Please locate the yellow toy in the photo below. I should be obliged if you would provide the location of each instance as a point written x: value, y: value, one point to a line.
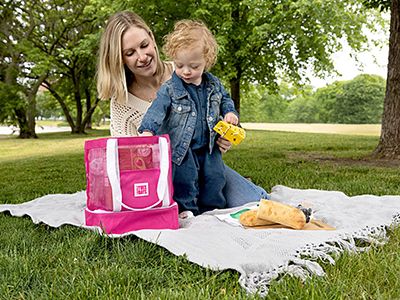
x: 232, y: 133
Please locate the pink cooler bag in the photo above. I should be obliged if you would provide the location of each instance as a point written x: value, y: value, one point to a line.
x: 129, y: 184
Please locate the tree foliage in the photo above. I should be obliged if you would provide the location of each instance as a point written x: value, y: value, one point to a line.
x: 260, y: 105
x: 304, y: 109
x: 381, y: 4
x: 360, y: 101
x: 325, y: 102
x: 13, y: 34
x: 12, y: 101
x: 260, y: 42
x: 69, y: 44
x: 263, y: 41
x: 357, y: 101
x: 52, y: 43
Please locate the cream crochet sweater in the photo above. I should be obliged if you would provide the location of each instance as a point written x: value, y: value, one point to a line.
x: 126, y: 118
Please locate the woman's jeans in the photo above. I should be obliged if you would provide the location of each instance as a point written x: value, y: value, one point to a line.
x: 238, y: 190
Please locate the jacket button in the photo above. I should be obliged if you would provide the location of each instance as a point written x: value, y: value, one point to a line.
x: 193, y: 113
x: 179, y: 108
x: 210, y: 119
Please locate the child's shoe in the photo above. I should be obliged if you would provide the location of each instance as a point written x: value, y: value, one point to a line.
x: 187, y: 214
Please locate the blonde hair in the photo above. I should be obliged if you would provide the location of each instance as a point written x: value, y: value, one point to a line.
x: 187, y: 33
x: 113, y: 77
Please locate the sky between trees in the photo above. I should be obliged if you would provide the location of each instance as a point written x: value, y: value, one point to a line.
x: 372, y: 61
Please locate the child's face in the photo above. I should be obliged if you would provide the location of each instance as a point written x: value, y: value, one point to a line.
x: 190, y: 64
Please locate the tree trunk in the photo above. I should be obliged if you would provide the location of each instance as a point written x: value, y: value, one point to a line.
x: 63, y: 105
x: 235, y: 82
x: 235, y: 92
x: 235, y: 87
x: 79, y: 128
x: 20, y: 114
x: 31, y: 113
x: 88, y: 124
x: 31, y: 110
x: 389, y: 143
x: 89, y: 113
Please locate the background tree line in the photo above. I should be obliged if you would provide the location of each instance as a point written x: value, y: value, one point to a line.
x: 53, y: 43
x: 356, y: 101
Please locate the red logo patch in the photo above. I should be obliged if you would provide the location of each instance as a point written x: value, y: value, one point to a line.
x: 141, y: 189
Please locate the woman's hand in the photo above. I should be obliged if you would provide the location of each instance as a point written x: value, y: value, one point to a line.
x: 223, y: 144
x: 146, y: 133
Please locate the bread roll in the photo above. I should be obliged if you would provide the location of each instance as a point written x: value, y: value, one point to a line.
x: 249, y: 219
x: 276, y: 212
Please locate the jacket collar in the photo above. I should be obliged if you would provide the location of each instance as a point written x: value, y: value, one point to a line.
x: 179, y: 90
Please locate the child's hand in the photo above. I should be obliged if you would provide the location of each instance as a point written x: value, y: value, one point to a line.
x: 231, y: 118
x: 146, y: 133
x: 223, y: 144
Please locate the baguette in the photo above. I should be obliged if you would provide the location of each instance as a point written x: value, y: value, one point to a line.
x: 284, y: 214
x: 249, y: 219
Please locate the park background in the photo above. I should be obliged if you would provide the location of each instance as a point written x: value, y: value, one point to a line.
x: 274, y: 58
x: 268, y: 49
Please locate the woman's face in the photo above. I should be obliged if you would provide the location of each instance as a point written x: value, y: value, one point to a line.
x: 138, y: 52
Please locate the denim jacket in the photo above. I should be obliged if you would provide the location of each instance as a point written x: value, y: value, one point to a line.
x: 174, y: 112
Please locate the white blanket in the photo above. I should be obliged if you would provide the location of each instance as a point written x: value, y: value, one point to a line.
x: 260, y: 255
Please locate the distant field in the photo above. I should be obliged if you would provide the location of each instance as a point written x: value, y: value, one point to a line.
x: 350, y: 129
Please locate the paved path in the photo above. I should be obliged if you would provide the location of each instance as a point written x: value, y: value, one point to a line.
x: 367, y: 129
x: 10, y: 130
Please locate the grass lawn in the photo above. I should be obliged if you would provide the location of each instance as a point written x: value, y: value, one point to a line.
x: 60, y: 123
x: 40, y: 262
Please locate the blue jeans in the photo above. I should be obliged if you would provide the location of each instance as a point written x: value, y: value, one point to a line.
x: 199, y: 181
x: 238, y: 190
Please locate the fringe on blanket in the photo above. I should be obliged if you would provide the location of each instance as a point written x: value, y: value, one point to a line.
x: 304, y: 265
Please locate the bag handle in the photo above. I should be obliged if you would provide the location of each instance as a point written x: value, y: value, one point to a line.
x: 114, y: 177
x: 113, y: 172
x: 162, y: 187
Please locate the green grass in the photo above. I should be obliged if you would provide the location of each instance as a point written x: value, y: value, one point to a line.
x: 58, y: 123
x: 40, y: 262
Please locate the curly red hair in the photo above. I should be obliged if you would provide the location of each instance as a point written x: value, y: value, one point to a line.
x: 189, y: 33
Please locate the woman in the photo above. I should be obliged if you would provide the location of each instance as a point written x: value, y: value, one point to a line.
x: 130, y: 72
